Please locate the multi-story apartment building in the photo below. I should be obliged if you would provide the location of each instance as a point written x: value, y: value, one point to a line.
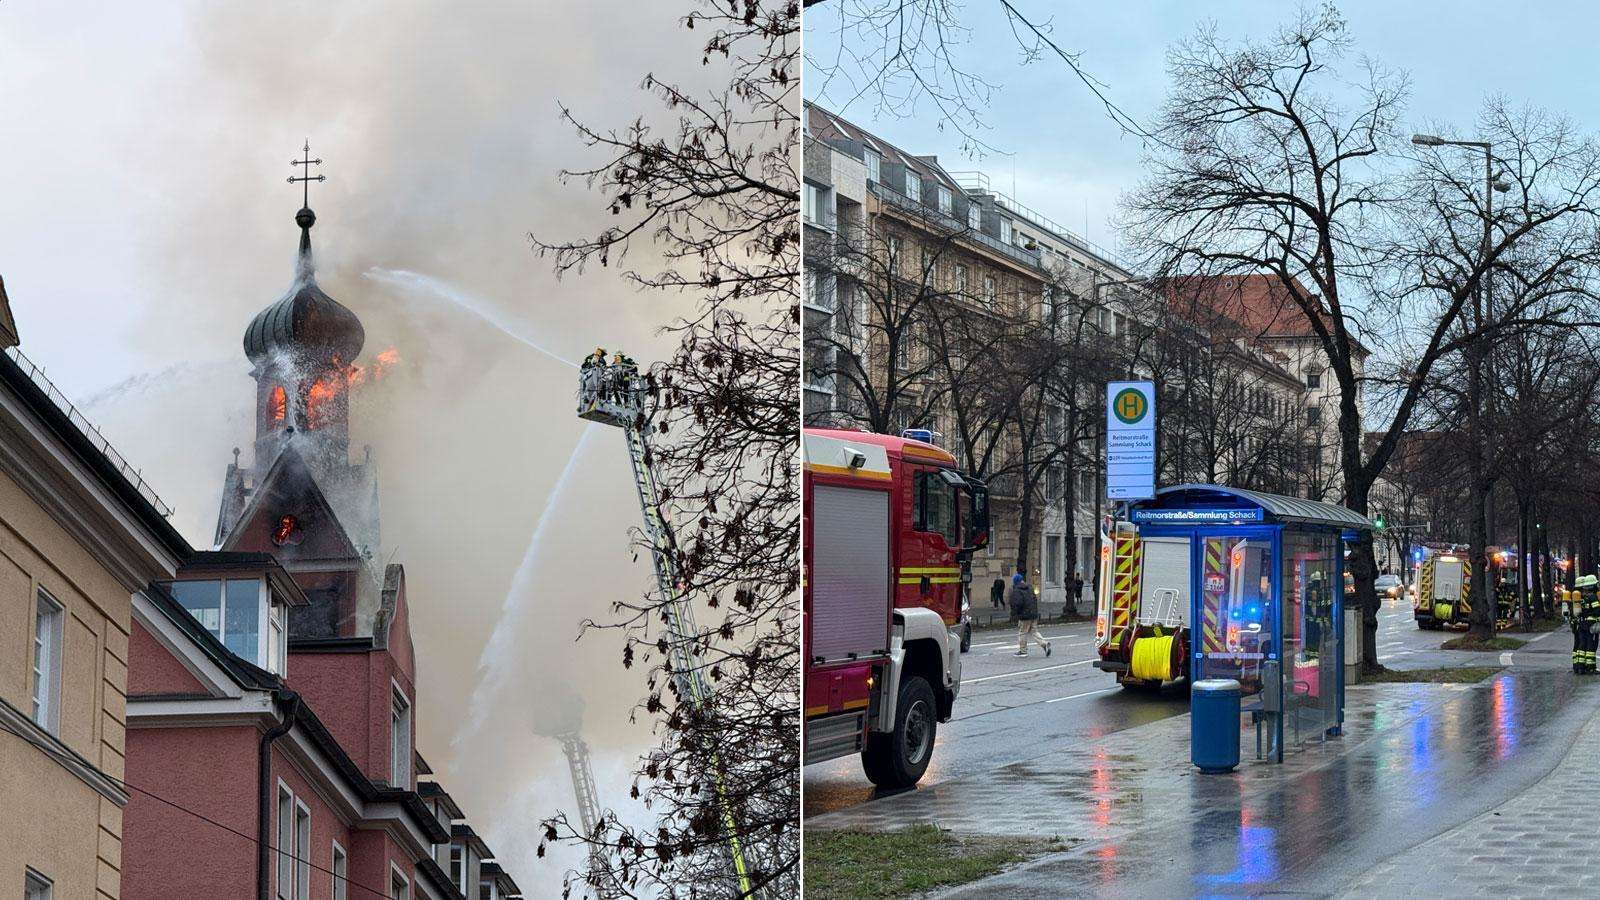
x: 80, y: 536
x: 885, y: 231
x: 1242, y: 398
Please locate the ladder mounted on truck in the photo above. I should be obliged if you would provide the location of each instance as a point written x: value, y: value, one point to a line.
x: 583, y: 786
x: 615, y: 394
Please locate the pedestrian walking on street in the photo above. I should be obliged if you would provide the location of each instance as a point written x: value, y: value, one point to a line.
x: 1077, y: 590
x: 1025, y: 609
x: 997, y: 594
x: 1586, y: 625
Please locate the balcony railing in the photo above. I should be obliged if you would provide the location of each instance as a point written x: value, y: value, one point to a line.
x: 133, y: 476
x: 1029, y: 258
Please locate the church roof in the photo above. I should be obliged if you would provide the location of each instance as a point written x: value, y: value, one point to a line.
x: 305, y: 322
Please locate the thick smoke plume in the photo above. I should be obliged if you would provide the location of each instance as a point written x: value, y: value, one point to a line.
x: 156, y: 221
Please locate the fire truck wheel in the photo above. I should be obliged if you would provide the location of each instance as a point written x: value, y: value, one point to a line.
x: 966, y: 636
x: 898, y: 759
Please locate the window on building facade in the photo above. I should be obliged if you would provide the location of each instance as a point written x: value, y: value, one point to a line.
x: 1055, y: 483
x: 1005, y: 229
x: 961, y: 279
x: 874, y: 165
x: 341, y: 873
x: 399, y: 885
x: 1314, y: 415
x: 990, y: 294
x: 946, y: 200
x: 458, y: 866
x: 819, y: 289
x: 913, y: 186
x: 1052, y: 559
x: 302, y: 851
x: 285, y: 848
x: 49, y: 618
x: 894, y: 255
x: 974, y: 217
x: 37, y: 887
x: 1313, y: 378
x: 399, y: 740
x: 237, y: 612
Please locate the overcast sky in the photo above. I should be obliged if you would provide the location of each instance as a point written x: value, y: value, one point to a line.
x: 145, y: 218
x: 1071, y: 163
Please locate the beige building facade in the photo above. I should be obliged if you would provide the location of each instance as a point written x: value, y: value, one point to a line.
x: 79, y: 536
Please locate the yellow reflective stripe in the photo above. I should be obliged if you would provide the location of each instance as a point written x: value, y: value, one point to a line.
x: 844, y: 470
x: 917, y: 579
x: 929, y: 570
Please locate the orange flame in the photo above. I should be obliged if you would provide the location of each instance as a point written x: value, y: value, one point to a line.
x: 277, y: 404
x: 381, y: 364
x: 319, y: 397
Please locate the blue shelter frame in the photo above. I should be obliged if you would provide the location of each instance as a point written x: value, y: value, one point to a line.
x: 1266, y: 604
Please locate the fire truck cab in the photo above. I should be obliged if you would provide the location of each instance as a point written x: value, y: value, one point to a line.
x: 890, y: 526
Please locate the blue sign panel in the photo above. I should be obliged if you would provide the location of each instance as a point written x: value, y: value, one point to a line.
x: 1196, y: 516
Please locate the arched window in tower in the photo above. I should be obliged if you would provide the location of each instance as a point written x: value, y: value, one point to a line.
x: 277, y: 405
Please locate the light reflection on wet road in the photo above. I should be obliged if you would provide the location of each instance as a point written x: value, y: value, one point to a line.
x: 1053, y: 752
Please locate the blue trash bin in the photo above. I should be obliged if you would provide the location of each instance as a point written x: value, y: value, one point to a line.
x: 1214, y: 724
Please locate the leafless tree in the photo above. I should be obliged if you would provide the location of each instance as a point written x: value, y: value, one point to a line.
x: 718, y: 198
x: 1284, y: 161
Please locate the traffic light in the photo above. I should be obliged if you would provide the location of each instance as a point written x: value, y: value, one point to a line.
x: 1378, y: 522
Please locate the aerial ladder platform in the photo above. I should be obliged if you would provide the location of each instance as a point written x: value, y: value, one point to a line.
x: 615, y: 394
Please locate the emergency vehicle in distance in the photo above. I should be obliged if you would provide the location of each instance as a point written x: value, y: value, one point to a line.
x: 1444, y: 590
x: 888, y: 549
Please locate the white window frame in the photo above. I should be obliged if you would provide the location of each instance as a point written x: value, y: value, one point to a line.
x: 399, y: 737
x: 284, y: 846
x: 913, y: 185
x: 947, y: 200
x: 974, y: 216
x: 277, y: 637
x: 874, y: 161
x: 49, y: 639
x: 302, y: 850
x: 991, y: 291
x: 395, y: 875
x: 37, y: 887
x: 340, y: 873
x: 1005, y: 230
x: 458, y: 864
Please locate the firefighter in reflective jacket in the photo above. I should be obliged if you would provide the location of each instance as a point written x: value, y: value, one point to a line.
x: 1586, y: 625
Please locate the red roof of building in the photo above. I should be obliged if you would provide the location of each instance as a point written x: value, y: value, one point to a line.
x: 1258, y: 305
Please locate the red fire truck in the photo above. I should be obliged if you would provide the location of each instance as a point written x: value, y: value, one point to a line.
x: 890, y: 528
x: 1141, y: 628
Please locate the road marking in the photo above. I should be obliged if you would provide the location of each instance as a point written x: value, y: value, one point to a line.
x: 1081, y: 662
x: 1086, y: 694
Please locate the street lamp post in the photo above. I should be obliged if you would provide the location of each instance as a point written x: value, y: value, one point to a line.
x: 1478, y: 372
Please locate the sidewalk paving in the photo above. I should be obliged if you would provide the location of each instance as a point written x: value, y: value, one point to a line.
x: 1540, y: 844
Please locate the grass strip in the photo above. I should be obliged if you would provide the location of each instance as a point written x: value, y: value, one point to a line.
x: 1440, y: 675
x: 860, y: 865
x: 1467, y: 642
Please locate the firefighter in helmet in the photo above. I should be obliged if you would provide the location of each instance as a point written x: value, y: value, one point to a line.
x: 590, y: 373
x: 1586, y: 625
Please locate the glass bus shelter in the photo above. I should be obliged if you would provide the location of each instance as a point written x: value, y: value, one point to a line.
x: 1266, y: 600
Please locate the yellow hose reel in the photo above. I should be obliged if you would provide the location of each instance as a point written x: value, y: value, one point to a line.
x: 1152, y: 659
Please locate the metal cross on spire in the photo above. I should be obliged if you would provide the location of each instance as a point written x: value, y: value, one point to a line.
x: 306, y: 177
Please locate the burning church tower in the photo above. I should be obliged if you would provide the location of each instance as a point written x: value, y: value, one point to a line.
x: 301, y: 498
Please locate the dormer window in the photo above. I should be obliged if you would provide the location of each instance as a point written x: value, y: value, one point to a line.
x: 242, y: 614
x: 913, y: 186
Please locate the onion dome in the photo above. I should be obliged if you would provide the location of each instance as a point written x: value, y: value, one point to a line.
x: 305, y: 323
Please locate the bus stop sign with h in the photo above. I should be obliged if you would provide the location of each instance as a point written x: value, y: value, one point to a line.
x: 1130, y: 440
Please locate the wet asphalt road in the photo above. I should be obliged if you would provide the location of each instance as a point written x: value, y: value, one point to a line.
x: 1012, y: 708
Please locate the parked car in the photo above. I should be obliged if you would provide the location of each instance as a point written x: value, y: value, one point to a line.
x: 1389, y: 585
